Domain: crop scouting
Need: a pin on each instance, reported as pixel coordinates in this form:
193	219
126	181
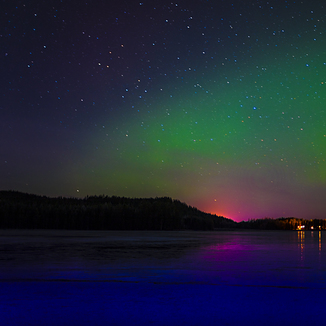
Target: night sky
220	104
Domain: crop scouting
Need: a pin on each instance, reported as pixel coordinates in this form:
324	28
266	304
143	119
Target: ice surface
160	278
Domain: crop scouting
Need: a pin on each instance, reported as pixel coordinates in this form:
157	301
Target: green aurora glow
218	104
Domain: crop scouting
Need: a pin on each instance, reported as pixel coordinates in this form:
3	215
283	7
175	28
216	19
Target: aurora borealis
220	104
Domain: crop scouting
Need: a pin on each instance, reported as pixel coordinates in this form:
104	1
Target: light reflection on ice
237	257
160	278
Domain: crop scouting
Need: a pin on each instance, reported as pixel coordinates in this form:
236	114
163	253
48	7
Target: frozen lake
162	278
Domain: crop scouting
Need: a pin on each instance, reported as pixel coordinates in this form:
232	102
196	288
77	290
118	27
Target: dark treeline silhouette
25	211
284	223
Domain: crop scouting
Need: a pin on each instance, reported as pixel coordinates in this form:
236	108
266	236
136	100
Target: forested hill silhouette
26	211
